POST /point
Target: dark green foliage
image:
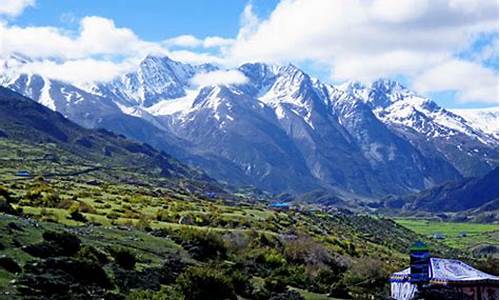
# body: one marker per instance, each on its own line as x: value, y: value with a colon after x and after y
x: 339, y: 290
x: 75, y: 214
x: 201, y: 244
x: 127, y: 279
x: 165, y: 293
x: 200, y: 283
x: 54, y: 244
x: 488, y: 265
x: 63, y: 278
x: 8, y: 264
x: 366, y: 277
x: 6, y: 208
x: 91, y: 253
x: 67, y: 242
x: 124, y: 258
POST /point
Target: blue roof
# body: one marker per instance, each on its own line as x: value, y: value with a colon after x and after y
x: 280, y: 204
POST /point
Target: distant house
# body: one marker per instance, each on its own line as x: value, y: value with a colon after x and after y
x: 438, y: 236
x: 23, y: 173
x: 280, y: 205
x: 211, y: 195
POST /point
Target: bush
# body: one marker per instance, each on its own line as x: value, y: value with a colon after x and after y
x: 201, y: 244
x: 9, y: 264
x: 166, y: 293
x: 124, y: 258
x: 367, y: 276
x: 68, y: 243
x: 305, y: 250
x: 143, y: 224
x: 5, y: 207
x: 63, y: 278
x: 92, y: 254
x: 271, y: 259
x: 75, y: 214
x: 200, y: 283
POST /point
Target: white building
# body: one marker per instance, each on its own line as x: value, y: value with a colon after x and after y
x: 463, y: 278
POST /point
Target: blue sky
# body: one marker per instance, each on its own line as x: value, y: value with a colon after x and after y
x: 444, y: 49
x: 150, y: 19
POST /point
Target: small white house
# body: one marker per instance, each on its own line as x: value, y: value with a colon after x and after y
x: 463, y: 278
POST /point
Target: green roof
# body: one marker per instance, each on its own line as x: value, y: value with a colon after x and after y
x: 419, y: 246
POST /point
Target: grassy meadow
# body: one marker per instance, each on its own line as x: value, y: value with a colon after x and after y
x: 462, y: 236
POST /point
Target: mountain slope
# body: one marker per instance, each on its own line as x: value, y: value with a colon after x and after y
x: 27, y: 122
x: 470, y: 193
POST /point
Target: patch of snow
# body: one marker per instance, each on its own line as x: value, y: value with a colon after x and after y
x: 172, y: 106
x: 484, y: 119
x: 45, y: 98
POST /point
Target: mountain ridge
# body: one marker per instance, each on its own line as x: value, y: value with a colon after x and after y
x: 349, y: 136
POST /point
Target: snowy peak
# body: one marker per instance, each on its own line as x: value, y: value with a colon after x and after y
x: 157, y: 78
x: 13, y: 61
x: 484, y: 119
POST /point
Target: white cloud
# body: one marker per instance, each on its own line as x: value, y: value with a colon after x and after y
x: 97, y: 36
x: 365, y: 39
x: 474, y: 82
x: 189, y: 41
x: 194, y: 57
x: 219, y: 77
x: 216, y: 41
x: 78, y: 71
x: 184, y: 41
x: 14, y: 7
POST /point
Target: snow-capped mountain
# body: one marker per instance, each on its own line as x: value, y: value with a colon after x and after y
x: 73, y: 102
x: 482, y: 119
x: 422, y: 122
x: 157, y: 78
x: 281, y: 130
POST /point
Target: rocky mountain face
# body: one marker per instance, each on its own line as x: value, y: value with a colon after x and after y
x: 281, y: 130
x: 466, y: 194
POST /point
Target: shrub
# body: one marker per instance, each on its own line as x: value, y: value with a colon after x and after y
x: 124, y: 258
x: 91, y: 253
x: 5, y: 207
x: 165, y: 293
x: 63, y: 278
x: 67, y: 242
x: 201, y: 244
x: 305, y: 250
x: 75, y: 214
x: 271, y: 259
x: 199, y: 283
x: 143, y: 224
x: 367, y: 276
x: 9, y: 264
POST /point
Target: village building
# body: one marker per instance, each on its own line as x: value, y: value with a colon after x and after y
x: 23, y: 173
x: 450, y: 276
